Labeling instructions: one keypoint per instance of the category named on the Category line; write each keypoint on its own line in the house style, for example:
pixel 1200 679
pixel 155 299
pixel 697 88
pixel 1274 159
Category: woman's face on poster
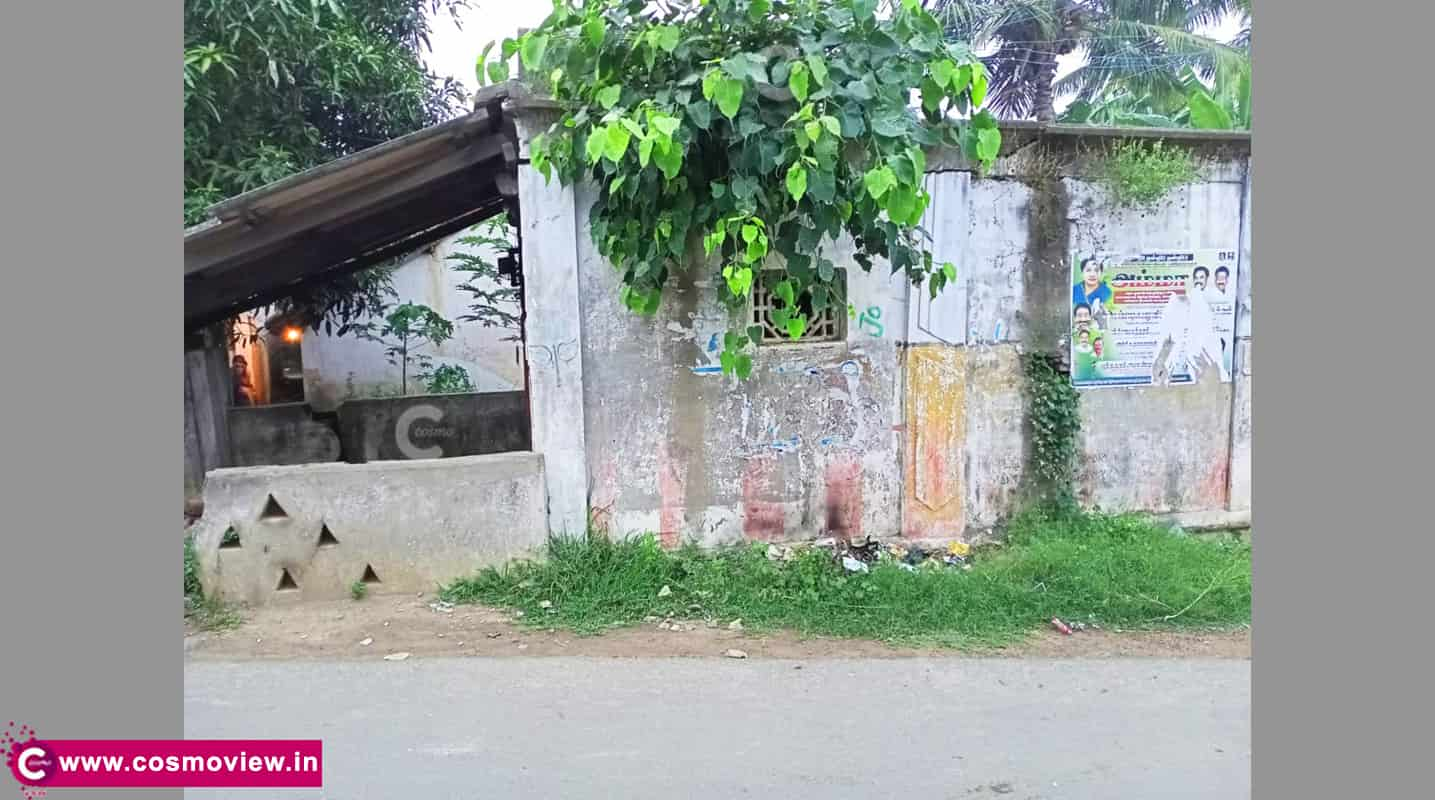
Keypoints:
pixel 1091 274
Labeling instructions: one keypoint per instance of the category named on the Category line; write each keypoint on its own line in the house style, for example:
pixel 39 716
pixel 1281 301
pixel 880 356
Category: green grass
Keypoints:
pixel 207 613
pixel 1116 571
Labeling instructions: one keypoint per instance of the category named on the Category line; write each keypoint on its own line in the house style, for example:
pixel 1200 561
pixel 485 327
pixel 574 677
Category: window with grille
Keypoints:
pixel 829 325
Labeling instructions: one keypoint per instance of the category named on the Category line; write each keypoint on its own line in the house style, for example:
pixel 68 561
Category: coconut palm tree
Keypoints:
pixel 1141 45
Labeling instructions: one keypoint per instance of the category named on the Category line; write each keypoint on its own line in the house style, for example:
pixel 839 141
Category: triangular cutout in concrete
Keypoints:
pixel 230 539
pixel 272 510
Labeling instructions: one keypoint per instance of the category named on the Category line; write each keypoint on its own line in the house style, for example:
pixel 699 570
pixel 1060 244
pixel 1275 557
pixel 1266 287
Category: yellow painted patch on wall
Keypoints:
pixel 936 433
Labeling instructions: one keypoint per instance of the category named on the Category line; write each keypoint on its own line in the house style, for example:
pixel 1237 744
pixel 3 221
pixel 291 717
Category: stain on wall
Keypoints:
pixel 843 484
pixel 995 455
pixel 763 517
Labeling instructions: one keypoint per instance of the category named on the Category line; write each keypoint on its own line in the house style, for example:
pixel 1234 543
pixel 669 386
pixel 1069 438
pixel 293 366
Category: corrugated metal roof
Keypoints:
pixel 351 212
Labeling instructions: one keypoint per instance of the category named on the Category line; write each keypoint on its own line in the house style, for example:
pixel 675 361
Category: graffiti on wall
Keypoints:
pixel 557 355
pixel 870 321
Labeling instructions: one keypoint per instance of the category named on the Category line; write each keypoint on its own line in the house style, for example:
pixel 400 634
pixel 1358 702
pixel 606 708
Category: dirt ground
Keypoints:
pixel 422 627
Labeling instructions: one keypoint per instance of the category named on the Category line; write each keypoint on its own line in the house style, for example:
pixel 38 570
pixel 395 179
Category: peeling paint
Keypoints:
pixel 936 423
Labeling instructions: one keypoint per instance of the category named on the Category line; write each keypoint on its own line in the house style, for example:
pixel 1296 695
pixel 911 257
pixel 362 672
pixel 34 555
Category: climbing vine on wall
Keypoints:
pixel 1054 414
pixel 763 129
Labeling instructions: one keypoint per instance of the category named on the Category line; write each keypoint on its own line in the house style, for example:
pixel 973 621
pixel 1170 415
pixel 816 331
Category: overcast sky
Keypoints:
pixel 456 45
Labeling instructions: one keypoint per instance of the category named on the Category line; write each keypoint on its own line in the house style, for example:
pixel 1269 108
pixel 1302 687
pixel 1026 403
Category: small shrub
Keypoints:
pixel 1138 173
pixel 448 379
pixel 206 613
pixel 358 589
pixel 192 590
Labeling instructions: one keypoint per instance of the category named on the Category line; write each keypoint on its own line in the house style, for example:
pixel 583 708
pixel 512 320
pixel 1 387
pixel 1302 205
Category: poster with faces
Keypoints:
pixel 1155 317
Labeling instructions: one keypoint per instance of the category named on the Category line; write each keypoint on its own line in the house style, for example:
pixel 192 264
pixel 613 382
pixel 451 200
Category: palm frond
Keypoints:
pixel 1171 46
pixel 1011 92
pixel 1242 40
pixel 981 22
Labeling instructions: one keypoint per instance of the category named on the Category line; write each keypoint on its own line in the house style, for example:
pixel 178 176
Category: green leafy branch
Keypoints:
pixel 763 128
pixel 406 329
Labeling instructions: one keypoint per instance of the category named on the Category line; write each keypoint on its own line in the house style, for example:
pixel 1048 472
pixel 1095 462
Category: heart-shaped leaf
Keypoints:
pixel 818 67
pixel 878 180
pixel 616 143
pixel 607 97
pixel 797 81
pixel 532 50
pixel 796 326
pixel 729 96
pixel 593 31
pixel 796 181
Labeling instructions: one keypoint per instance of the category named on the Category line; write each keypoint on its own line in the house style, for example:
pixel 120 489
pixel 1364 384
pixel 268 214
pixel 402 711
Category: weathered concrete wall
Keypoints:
pixel 433 426
pixel 555 338
pixel 1155 449
pixel 918 430
pixel 1158 449
pixel 339 367
pixel 412 525
pixel 808 445
pixel 280 434
pixel 1240 491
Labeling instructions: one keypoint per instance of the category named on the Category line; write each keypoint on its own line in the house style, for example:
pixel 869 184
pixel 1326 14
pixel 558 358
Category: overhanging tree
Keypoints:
pixel 763 129
pixel 274 87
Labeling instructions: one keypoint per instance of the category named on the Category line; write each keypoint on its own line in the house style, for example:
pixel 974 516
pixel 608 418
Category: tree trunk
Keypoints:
pixel 1042 105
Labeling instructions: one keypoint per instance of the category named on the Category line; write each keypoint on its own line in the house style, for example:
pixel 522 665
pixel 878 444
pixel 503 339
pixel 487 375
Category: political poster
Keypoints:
pixel 1152 318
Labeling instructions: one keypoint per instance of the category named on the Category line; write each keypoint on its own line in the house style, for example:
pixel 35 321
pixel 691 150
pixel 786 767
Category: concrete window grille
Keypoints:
pixel 829 325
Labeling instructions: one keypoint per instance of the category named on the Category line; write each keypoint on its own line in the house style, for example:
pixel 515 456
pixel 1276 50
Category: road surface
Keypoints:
pixel 726 728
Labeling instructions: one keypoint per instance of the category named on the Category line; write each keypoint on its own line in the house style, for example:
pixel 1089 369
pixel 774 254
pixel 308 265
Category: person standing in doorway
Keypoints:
pixel 243 387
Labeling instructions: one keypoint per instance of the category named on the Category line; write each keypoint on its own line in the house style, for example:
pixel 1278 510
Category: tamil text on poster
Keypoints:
pixel 1152 317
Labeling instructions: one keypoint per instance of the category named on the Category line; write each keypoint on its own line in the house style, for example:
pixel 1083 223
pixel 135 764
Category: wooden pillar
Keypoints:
pixel 206 405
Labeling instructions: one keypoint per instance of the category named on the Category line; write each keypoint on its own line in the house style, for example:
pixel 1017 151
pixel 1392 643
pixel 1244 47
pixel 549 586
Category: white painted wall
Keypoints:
pixel 426 277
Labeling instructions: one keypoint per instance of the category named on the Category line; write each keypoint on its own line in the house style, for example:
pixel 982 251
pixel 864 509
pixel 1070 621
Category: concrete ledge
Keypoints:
pixel 415 524
pixel 1209 520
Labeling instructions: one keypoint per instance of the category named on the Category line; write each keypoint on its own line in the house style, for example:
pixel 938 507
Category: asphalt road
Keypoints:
pixel 725 728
